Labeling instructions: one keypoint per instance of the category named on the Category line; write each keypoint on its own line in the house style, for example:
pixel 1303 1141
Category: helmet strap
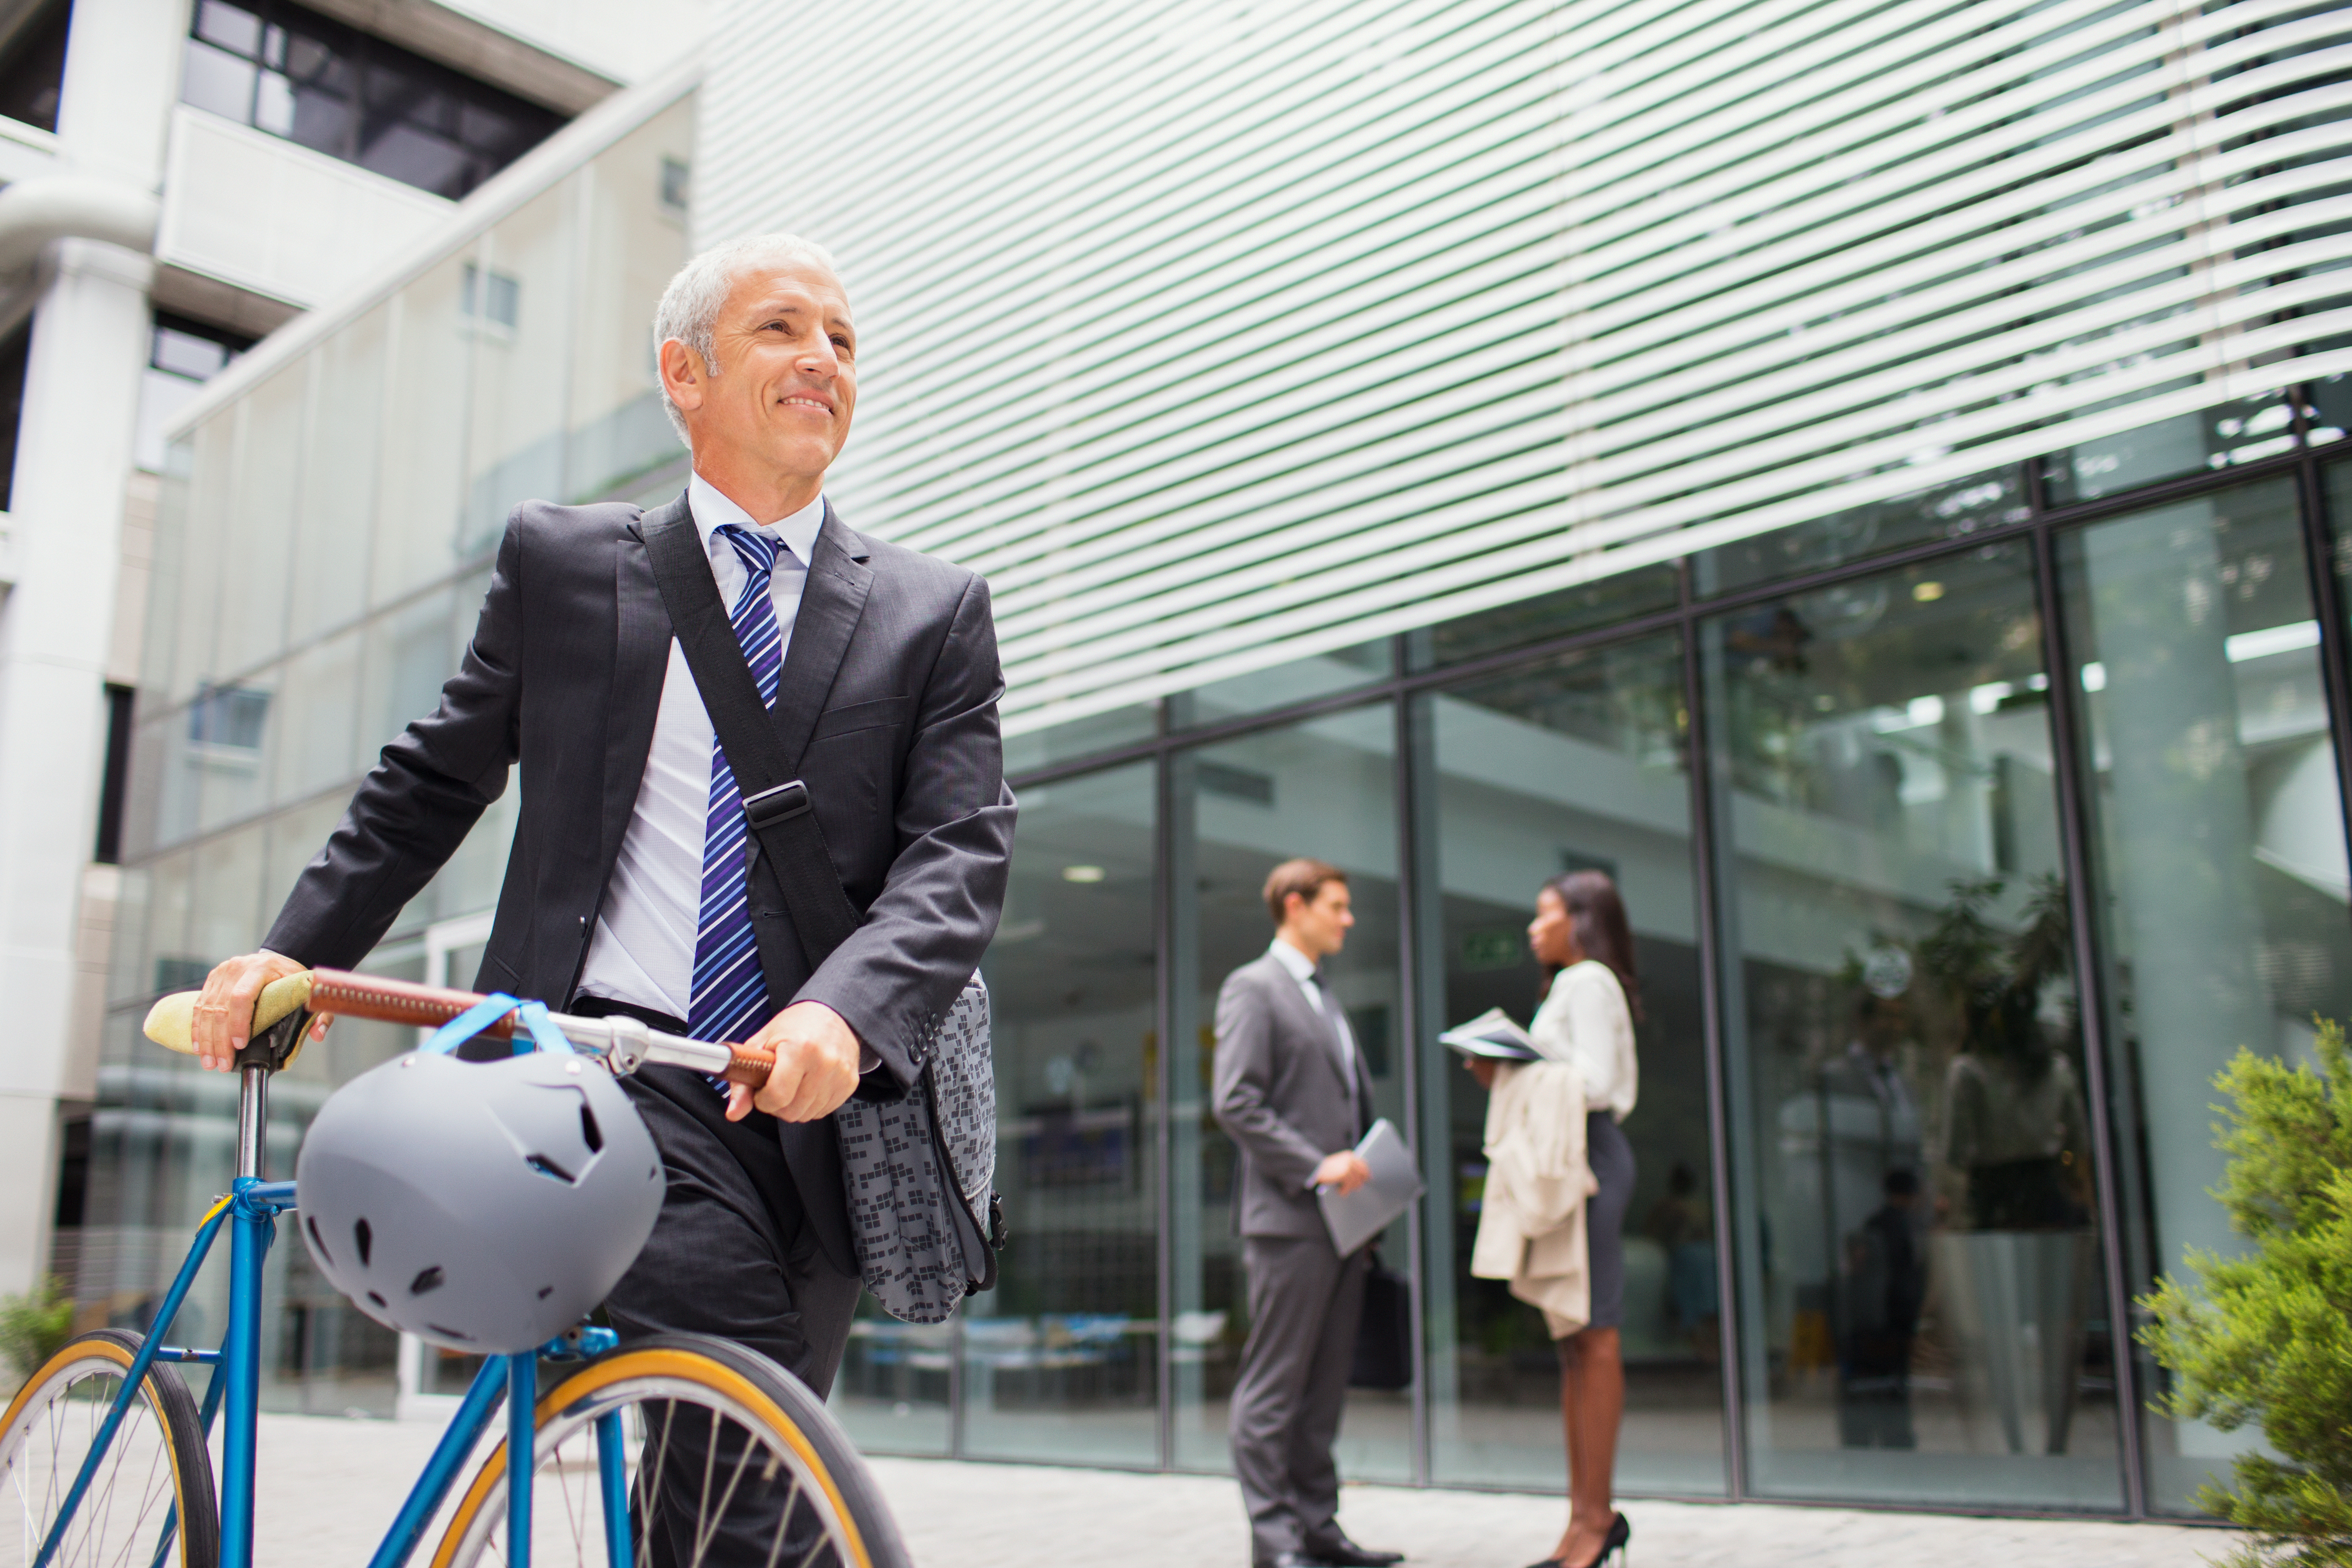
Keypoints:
pixel 489 1010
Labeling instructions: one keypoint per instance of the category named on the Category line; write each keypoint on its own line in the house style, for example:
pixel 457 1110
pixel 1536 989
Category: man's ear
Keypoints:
pixel 682 374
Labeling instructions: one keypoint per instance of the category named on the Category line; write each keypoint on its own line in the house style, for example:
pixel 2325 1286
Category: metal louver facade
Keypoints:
pixel 1222 334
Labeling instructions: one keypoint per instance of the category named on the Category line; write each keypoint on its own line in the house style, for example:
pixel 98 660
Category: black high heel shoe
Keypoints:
pixel 1621 1533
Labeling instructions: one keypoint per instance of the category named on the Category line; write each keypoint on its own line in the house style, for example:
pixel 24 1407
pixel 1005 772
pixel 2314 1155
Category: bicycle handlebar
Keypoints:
pixel 623 1044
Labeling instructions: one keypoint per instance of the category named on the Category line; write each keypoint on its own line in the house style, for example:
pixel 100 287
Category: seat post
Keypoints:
pixel 252 1118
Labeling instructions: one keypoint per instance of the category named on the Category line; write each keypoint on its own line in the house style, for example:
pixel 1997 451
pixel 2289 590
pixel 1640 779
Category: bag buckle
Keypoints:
pixel 782 803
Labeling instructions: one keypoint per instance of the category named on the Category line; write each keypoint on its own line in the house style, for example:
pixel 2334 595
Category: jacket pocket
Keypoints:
pixel 888 712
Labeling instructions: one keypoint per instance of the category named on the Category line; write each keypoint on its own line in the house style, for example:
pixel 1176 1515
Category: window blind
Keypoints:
pixel 1221 334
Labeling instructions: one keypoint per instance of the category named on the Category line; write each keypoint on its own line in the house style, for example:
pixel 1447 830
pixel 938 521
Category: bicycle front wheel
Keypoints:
pixel 150 1500
pixel 703 1454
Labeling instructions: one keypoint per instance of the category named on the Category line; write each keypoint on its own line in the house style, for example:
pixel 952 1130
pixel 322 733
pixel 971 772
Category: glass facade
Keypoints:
pixel 294 73
pixel 1963 835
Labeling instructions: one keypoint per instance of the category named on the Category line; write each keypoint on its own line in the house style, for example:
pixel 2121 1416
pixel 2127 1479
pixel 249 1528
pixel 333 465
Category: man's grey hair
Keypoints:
pixel 689 306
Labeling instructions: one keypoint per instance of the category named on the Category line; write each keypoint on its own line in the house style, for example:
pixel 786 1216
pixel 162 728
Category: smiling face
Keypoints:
pixel 768 425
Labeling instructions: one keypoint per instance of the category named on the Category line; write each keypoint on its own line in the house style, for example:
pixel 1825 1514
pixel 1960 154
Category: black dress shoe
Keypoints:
pixel 1344 1554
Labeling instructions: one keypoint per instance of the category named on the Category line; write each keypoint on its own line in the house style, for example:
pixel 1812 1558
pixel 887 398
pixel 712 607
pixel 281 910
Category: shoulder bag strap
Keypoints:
pixel 779 811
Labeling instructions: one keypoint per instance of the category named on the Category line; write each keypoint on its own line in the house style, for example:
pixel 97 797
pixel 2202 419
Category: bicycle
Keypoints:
pixel 105 1455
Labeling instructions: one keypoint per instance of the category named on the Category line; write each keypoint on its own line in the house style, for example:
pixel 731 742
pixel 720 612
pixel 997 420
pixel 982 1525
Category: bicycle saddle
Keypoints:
pixel 171 1022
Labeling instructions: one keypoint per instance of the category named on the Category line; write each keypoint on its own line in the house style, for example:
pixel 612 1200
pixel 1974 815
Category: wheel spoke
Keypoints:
pixel 784 1524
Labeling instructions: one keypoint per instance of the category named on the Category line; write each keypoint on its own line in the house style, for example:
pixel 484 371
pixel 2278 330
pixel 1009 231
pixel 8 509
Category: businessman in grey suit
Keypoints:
pixel 1293 1094
pixel 628 888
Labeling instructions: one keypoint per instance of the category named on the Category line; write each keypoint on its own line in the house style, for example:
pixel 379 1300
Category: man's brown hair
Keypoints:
pixel 1304 876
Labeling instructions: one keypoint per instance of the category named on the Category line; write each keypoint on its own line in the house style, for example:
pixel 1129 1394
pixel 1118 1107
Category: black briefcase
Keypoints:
pixel 1385 1336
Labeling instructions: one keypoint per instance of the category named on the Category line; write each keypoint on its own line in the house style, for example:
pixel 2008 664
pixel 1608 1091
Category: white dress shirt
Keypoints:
pixel 1302 969
pixel 643 948
pixel 1584 1020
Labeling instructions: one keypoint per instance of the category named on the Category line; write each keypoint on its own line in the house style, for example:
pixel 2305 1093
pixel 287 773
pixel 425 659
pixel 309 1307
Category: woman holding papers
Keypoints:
pixel 1579 934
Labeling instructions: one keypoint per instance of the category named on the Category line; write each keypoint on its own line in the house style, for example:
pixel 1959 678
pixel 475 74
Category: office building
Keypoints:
pixel 1867 476
pixel 182 177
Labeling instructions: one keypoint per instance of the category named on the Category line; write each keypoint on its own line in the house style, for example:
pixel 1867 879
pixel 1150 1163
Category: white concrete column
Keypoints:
pixel 74 444
pixel 81 393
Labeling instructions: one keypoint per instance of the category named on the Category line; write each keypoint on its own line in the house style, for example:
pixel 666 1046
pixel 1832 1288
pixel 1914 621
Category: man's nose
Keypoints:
pixel 818 359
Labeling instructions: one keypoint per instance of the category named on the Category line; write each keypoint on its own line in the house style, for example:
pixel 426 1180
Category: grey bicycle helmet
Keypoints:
pixel 483 1206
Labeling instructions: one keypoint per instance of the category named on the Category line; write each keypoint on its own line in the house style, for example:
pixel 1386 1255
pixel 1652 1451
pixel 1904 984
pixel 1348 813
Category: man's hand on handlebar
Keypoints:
pixel 223 1014
pixel 816 1065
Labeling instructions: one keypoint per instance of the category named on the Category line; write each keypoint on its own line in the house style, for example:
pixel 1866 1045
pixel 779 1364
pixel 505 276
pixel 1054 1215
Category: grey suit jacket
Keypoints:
pixel 887 703
pixel 1281 1098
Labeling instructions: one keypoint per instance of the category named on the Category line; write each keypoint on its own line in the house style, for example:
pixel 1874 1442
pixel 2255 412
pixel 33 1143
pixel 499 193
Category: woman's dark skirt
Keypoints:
pixel 1611 1158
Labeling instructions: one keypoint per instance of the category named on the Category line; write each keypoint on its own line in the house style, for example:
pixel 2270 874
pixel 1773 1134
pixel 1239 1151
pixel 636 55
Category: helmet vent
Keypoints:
pixel 318 1241
pixel 366 1239
pixel 548 1168
pixel 426 1280
pixel 452 1334
pixel 377 1300
pixel 545 1292
pixel 591 1134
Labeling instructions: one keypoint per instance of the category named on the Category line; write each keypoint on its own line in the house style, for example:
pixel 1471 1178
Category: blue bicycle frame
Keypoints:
pixel 251 1210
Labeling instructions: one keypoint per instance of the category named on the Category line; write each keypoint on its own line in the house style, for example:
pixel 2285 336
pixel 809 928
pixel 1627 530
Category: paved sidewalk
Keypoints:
pixel 329 1488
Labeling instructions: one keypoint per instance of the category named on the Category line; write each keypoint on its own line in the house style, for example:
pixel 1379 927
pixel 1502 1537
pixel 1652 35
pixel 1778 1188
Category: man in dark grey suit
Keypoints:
pixel 1294 1096
pixel 628 888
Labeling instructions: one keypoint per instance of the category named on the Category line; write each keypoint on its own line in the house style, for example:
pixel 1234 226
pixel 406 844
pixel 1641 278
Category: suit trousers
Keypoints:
pixel 731 1255
pixel 1305 1300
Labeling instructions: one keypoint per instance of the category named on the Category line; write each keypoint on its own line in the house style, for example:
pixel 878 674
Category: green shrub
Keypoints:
pixel 33 1326
pixel 2264 1338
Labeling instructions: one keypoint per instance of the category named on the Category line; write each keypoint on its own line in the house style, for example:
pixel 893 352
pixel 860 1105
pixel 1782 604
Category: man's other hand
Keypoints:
pixel 816 1066
pixel 223 1014
pixel 1345 1170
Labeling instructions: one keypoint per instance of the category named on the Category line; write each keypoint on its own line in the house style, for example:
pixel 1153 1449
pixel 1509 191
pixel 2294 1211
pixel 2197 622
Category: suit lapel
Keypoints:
pixel 831 603
pixel 640 660
pixel 1312 1025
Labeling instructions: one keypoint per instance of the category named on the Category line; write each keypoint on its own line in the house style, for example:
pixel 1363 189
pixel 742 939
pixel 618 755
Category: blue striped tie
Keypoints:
pixel 730 1000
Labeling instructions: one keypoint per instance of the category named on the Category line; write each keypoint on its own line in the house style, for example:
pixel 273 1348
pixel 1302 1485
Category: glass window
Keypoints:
pixel 181 355
pixel 340 449
pixel 228 741
pixel 1922 1305
pixel 1578 762
pixel 191 561
pixel 16 351
pixel 1300 680
pixel 1061 1360
pixel 252 603
pixel 514 449
pixel 2232 434
pixel 33 68
pixel 407 659
pixel 1325 788
pixel 630 243
pixel 294 73
pixel 225 897
pixel 1034 749
pixel 2338 525
pixel 1949 510
pixel 2219 832
pixel 321 693
pixel 891 1393
pixel 1587 606
pixel 420 474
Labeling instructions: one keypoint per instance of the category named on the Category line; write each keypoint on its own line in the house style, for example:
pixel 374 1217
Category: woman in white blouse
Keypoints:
pixel 1579 934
